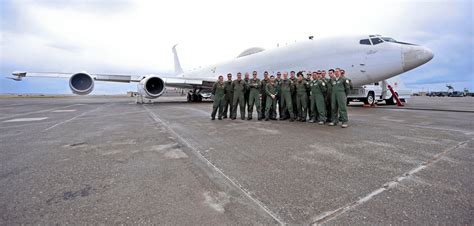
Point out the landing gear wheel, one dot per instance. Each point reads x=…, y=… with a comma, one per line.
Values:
x=190, y=97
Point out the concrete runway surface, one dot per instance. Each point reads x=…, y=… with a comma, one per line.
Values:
x=105, y=159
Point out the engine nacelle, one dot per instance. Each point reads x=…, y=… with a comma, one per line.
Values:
x=81, y=83
x=152, y=87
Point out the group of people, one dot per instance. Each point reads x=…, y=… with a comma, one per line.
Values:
x=314, y=97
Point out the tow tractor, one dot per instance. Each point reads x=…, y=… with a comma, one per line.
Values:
x=377, y=92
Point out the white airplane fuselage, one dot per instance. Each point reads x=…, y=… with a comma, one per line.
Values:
x=363, y=63
x=366, y=59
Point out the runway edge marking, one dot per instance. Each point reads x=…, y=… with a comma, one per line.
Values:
x=330, y=215
x=236, y=184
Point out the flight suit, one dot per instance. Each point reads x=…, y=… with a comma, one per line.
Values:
x=246, y=94
x=293, y=96
x=286, y=90
x=340, y=89
x=254, y=97
x=327, y=99
x=278, y=98
x=229, y=93
x=238, y=86
x=301, y=88
x=270, y=89
x=218, y=89
x=350, y=87
x=308, y=80
x=318, y=106
x=264, y=95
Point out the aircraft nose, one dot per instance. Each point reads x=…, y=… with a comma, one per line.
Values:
x=414, y=56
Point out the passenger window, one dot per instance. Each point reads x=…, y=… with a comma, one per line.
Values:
x=364, y=42
x=376, y=41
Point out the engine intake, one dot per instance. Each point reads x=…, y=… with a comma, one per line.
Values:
x=152, y=87
x=81, y=83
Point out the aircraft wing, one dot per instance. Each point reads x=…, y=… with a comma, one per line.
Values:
x=170, y=81
x=19, y=75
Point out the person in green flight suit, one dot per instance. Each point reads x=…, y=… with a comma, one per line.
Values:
x=263, y=93
x=301, y=87
x=293, y=79
x=254, y=85
x=308, y=79
x=286, y=90
x=238, y=86
x=340, y=89
x=218, y=90
x=229, y=94
x=278, y=83
x=271, y=90
x=318, y=106
x=247, y=91
x=327, y=96
x=343, y=75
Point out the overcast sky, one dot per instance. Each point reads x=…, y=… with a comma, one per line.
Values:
x=136, y=36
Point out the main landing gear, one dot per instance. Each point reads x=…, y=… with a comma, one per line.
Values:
x=194, y=95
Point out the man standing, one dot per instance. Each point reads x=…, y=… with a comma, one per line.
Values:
x=308, y=80
x=286, y=90
x=293, y=79
x=247, y=91
x=265, y=81
x=271, y=90
x=340, y=89
x=238, y=86
x=328, y=93
x=218, y=90
x=318, y=106
x=254, y=96
x=229, y=93
x=301, y=87
x=278, y=99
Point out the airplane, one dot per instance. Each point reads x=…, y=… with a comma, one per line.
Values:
x=365, y=58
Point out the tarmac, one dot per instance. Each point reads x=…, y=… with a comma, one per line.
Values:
x=107, y=160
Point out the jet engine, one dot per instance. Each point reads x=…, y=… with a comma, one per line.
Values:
x=152, y=87
x=81, y=83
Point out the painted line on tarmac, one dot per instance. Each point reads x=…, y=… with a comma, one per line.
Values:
x=77, y=116
x=330, y=215
x=41, y=111
x=26, y=119
x=61, y=111
x=215, y=168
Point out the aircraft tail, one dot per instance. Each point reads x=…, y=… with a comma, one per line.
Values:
x=177, y=65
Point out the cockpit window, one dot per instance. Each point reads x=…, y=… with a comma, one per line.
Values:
x=376, y=41
x=387, y=39
x=364, y=42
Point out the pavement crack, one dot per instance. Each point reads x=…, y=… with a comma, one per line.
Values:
x=236, y=184
x=330, y=215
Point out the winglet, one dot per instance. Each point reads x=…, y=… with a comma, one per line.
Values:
x=177, y=65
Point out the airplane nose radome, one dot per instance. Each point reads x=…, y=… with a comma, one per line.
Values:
x=414, y=56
